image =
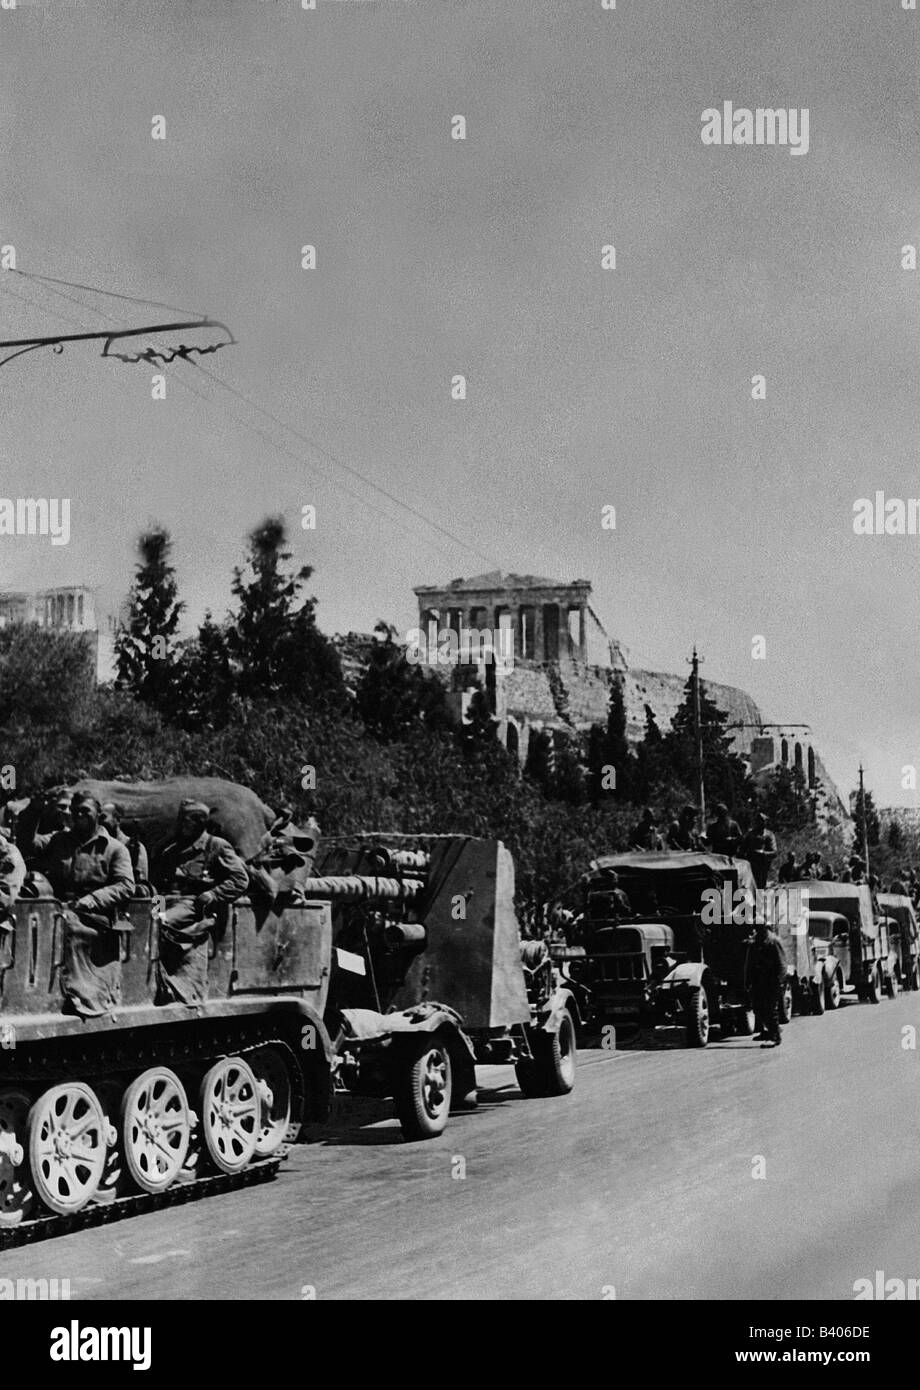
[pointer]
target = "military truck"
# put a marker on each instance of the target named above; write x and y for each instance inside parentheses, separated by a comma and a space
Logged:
(849, 945)
(667, 962)
(904, 934)
(815, 975)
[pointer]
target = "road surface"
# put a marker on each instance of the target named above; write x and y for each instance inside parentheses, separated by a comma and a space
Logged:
(641, 1184)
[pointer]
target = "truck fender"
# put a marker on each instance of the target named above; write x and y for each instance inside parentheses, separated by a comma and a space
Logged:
(561, 1002)
(366, 1025)
(688, 975)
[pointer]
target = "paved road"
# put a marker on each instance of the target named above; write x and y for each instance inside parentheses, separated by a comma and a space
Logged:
(641, 1180)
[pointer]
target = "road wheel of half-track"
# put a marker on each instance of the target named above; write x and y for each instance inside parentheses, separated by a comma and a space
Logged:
(15, 1193)
(231, 1114)
(156, 1129)
(275, 1097)
(68, 1143)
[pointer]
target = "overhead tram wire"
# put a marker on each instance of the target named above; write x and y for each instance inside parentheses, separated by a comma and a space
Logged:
(112, 294)
(209, 400)
(50, 281)
(340, 463)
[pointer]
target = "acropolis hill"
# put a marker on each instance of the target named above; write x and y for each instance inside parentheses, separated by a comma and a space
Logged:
(564, 661)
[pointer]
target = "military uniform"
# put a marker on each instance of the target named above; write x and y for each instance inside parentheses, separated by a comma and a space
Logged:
(205, 874)
(767, 973)
(95, 876)
(12, 874)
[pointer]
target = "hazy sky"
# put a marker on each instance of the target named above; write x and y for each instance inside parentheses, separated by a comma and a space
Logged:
(586, 387)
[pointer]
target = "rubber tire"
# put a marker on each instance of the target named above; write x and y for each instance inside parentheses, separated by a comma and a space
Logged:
(745, 1022)
(892, 986)
(697, 1017)
(817, 998)
(873, 992)
(915, 975)
(833, 993)
(414, 1117)
(552, 1071)
(787, 1003)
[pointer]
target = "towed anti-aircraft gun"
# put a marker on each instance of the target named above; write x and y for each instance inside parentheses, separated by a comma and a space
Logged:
(430, 976)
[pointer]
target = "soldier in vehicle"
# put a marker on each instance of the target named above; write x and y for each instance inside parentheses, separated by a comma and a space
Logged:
(767, 972)
(682, 833)
(12, 876)
(51, 809)
(91, 872)
(723, 833)
(618, 899)
(759, 848)
(206, 873)
(789, 869)
(111, 818)
(644, 834)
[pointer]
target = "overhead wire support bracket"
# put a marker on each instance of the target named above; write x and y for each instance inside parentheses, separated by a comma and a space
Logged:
(108, 337)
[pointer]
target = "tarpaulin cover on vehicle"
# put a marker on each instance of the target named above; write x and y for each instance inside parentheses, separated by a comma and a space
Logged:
(676, 879)
(900, 907)
(670, 887)
(852, 900)
(243, 817)
(791, 904)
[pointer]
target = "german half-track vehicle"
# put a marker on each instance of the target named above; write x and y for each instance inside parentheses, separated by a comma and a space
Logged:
(392, 970)
(145, 1098)
(664, 962)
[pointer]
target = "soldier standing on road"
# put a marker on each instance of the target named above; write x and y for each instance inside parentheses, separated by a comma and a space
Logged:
(206, 873)
(767, 973)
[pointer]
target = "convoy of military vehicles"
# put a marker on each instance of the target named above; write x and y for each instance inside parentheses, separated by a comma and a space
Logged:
(380, 965)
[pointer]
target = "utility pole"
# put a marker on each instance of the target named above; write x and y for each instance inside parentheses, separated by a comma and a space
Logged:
(865, 821)
(698, 734)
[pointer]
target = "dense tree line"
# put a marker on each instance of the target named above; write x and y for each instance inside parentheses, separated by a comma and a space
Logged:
(259, 696)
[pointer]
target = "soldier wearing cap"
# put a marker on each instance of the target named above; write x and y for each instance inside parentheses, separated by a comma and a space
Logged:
(204, 872)
(91, 872)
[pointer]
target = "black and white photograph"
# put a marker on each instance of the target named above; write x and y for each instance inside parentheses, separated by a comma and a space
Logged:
(459, 722)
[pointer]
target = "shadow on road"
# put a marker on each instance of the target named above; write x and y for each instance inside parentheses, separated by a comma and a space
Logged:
(367, 1121)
